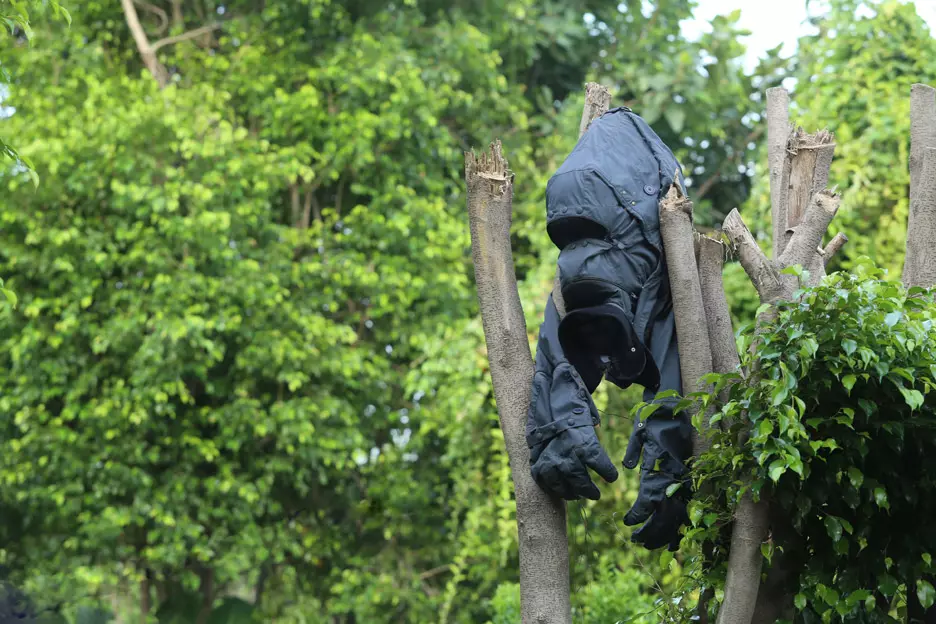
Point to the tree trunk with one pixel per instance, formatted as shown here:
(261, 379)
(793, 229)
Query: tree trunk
(920, 259)
(541, 522)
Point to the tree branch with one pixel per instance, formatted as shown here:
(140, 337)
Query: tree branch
(811, 160)
(763, 274)
(744, 562)
(695, 350)
(833, 247)
(541, 521)
(778, 134)
(807, 236)
(711, 259)
(186, 35)
(147, 53)
(919, 266)
(920, 262)
(158, 12)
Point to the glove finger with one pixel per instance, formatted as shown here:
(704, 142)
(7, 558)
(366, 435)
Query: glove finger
(640, 511)
(560, 480)
(653, 534)
(597, 459)
(634, 445)
(579, 482)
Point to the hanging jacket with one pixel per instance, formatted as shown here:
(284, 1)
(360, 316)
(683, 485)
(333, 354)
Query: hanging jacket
(602, 212)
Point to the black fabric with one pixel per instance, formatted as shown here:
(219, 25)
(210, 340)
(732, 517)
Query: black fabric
(602, 212)
(561, 422)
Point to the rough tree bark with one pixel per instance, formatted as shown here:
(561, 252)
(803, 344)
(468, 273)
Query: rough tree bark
(920, 259)
(541, 519)
(695, 350)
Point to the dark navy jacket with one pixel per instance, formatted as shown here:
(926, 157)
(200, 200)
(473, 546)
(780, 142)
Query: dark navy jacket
(602, 212)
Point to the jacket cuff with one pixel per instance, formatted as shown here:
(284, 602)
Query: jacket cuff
(579, 418)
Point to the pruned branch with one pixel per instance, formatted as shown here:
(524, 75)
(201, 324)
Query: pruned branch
(805, 172)
(761, 271)
(695, 351)
(778, 133)
(597, 103)
(920, 261)
(833, 248)
(711, 259)
(807, 235)
(541, 521)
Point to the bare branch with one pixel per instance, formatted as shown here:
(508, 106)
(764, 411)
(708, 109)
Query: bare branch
(920, 262)
(158, 12)
(833, 247)
(597, 103)
(778, 134)
(711, 256)
(541, 520)
(147, 53)
(695, 351)
(186, 35)
(763, 274)
(807, 236)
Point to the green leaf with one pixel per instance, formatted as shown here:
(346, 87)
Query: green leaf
(849, 382)
(672, 489)
(926, 594)
(675, 117)
(799, 602)
(833, 528)
(892, 319)
(880, 497)
(913, 398)
(776, 470)
(855, 476)
(849, 346)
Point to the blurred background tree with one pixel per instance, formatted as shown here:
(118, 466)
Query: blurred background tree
(246, 372)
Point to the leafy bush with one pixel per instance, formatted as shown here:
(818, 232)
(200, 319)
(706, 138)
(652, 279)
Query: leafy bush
(838, 389)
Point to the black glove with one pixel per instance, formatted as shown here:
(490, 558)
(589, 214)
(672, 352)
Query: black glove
(561, 421)
(666, 440)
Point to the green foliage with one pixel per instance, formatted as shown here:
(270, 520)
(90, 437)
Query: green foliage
(616, 595)
(855, 81)
(838, 396)
(15, 17)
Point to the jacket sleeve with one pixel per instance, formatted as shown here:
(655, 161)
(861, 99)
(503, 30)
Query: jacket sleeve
(561, 421)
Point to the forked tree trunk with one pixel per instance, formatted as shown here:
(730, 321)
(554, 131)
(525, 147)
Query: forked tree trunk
(802, 210)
